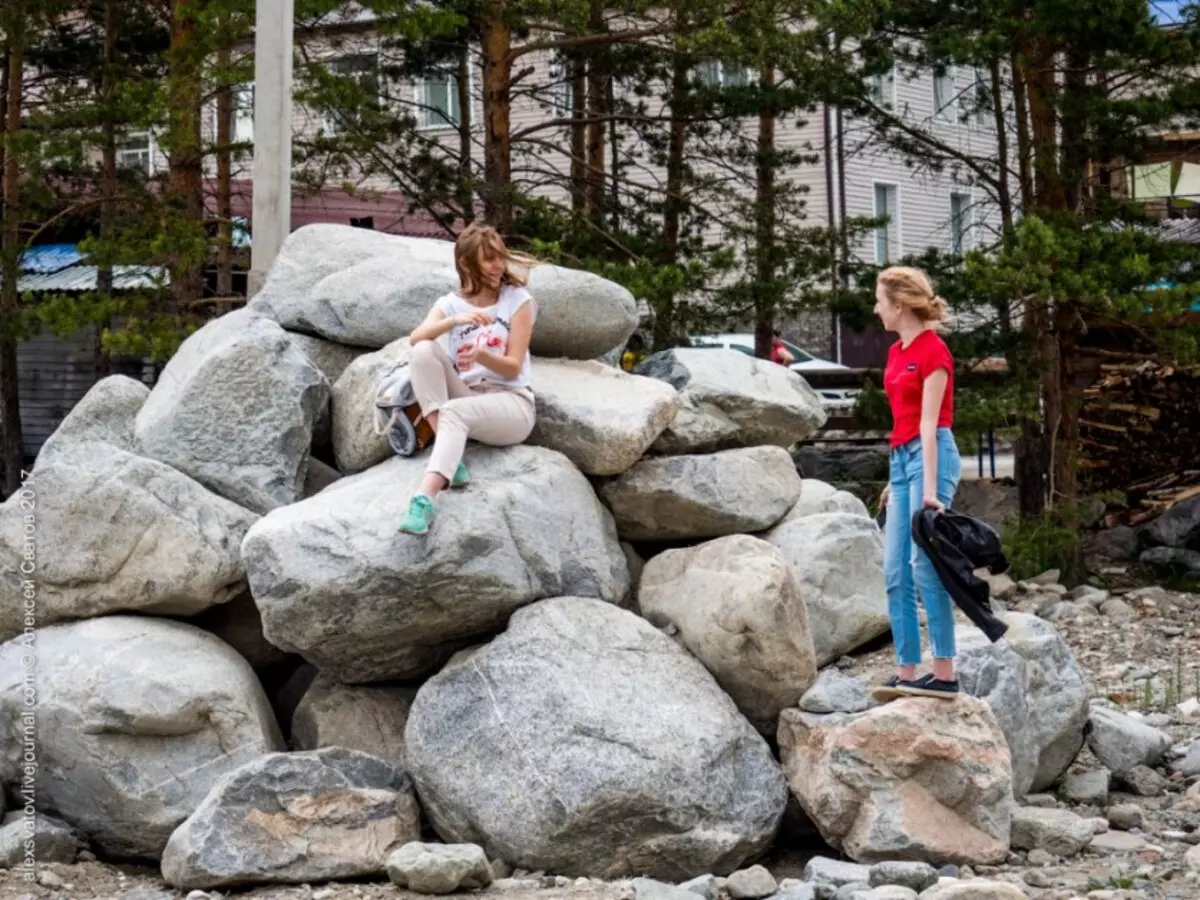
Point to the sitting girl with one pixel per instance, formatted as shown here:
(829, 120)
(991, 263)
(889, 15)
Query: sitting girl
(480, 389)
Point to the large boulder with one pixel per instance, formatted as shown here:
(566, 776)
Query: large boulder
(137, 719)
(1178, 527)
(817, 497)
(356, 446)
(337, 584)
(367, 718)
(105, 415)
(331, 359)
(1122, 743)
(98, 530)
(600, 418)
(703, 496)
(368, 289)
(738, 609)
(239, 624)
(917, 779)
(295, 817)
(583, 741)
(1037, 691)
(729, 399)
(235, 409)
(838, 558)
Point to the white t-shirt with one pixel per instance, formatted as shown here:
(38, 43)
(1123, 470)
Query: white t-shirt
(494, 338)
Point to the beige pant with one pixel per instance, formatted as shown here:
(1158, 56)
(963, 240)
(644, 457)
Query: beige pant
(497, 416)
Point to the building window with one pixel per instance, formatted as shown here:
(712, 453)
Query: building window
(977, 102)
(136, 153)
(883, 90)
(887, 235)
(437, 97)
(715, 73)
(943, 95)
(241, 128)
(363, 69)
(962, 236)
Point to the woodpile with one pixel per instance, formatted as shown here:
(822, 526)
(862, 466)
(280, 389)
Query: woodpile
(1140, 423)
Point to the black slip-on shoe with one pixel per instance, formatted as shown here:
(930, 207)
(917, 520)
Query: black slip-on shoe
(890, 689)
(928, 686)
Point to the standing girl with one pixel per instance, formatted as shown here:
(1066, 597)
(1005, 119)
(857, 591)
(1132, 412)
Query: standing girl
(480, 389)
(924, 472)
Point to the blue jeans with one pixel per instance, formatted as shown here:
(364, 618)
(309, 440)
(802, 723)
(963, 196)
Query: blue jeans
(906, 567)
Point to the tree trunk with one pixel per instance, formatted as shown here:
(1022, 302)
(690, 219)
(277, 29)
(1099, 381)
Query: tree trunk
(466, 190)
(1021, 113)
(765, 300)
(224, 182)
(12, 439)
(108, 180)
(186, 153)
(597, 97)
(496, 42)
(673, 203)
(578, 69)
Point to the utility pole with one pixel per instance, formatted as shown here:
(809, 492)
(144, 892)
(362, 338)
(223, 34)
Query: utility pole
(274, 22)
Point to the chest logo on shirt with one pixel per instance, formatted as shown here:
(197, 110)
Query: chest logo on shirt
(911, 367)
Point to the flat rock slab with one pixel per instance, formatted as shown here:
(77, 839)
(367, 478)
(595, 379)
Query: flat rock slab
(337, 584)
(728, 399)
(584, 741)
(703, 496)
(289, 818)
(600, 418)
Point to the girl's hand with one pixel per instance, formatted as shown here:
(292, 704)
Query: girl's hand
(885, 495)
(932, 502)
(467, 355)
(472, 318)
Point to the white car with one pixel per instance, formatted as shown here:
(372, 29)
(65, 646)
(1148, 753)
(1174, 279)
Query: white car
(840, 400)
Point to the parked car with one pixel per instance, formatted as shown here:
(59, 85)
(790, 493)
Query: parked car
(835, 400)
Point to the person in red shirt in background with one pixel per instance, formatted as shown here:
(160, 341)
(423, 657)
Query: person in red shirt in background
(925, 468)
(779, 353)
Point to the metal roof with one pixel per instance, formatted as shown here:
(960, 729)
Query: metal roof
(83, 278)
(50, 258)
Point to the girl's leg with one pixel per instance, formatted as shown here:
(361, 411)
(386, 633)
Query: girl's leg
(898, 572)
(938, 605)
(499, 418)
(436, 383)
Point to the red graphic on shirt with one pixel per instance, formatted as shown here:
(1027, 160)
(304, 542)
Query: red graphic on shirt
(495, 342)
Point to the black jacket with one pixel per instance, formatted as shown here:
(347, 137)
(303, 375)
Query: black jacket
(957, 545)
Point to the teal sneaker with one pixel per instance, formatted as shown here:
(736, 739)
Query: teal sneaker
(461, 476)
(418, 517)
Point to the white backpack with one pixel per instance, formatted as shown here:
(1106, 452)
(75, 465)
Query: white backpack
(397, 414)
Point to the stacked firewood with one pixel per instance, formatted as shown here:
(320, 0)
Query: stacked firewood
(1140, 425)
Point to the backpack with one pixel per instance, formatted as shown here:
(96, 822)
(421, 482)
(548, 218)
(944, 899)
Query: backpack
(398, 415)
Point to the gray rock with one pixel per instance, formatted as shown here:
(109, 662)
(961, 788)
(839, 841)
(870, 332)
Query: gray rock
(239, 624)
(117, 532)
(318, 477)
(753, 883)
(600, 418)
(439, 868)
(290, 818)
(836, 692)
(817, 497)
(799, 891)
(619, 724)
(365, 718)
(1037, 690)
(851, 891)
(728, 399)
(1001, 586)
(1189, 765)
(53, 841)
(1112, 545)
(235, 409)
(1178, 527)
(887, 892)
(1117, 610)
(704, 885)
(1172, 558)
(105, 415)
(1144, 781)
(529, 527)
(1117, 842)
(738, 609)
(1049, 577)
(838, 559)
(650, 889)
(1126, 816)
(1086, 593)
(368, 289)
(1053, 830)
(915, 875)
(1121, 742)
(1088, 788)
(823, 870)
(329, 357)
(124, 766)
(356, 445)
(703, 496)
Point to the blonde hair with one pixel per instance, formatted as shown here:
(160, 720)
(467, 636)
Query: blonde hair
(912, 288)
(478, 242)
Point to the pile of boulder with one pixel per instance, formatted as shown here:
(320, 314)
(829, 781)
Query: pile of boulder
(614, 655)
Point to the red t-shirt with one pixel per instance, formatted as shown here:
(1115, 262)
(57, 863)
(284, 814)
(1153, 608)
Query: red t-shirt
(904, 382)
(777, 352)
